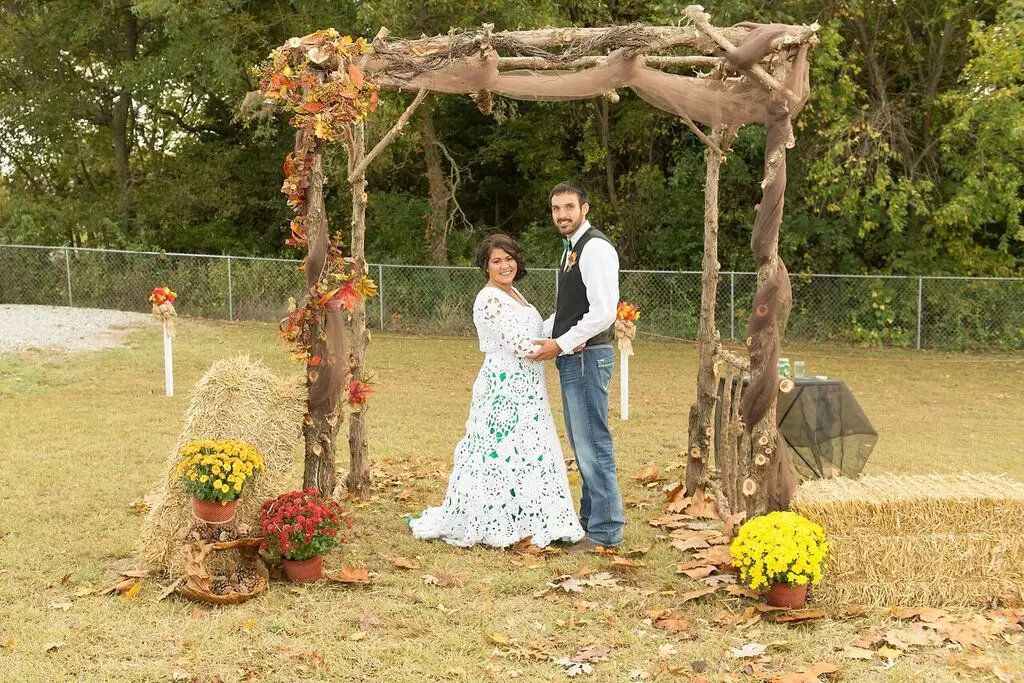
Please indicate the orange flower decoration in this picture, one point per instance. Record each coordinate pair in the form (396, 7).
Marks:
(358, 393)
(161, 295)
(627, 312)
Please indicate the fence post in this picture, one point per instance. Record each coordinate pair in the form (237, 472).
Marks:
(732, 306)
(556, 285)
(380, 293)
(920, 287)
(67, 272)
(231, 297)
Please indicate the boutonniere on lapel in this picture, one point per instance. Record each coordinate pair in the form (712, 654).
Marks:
(570, 261)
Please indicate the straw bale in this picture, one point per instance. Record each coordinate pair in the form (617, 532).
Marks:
(237, 398)
(938, 540)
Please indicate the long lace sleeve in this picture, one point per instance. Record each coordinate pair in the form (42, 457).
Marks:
(497, 323)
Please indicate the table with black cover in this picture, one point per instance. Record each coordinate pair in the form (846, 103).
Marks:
(827, 431)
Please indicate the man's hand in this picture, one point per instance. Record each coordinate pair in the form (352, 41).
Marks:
(548, 349)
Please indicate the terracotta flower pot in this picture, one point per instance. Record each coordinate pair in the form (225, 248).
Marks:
(782, 595)
(301, 571)
(214, 512)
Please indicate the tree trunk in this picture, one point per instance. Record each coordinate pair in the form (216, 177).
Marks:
(437, 219)
(627, 238)
(320, 426)
(358, 480)
(702, 412)
(120, 120)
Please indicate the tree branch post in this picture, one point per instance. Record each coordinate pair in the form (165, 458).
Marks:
(358, 481)
(702, 411)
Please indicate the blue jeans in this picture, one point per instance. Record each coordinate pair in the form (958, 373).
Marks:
(584, 378)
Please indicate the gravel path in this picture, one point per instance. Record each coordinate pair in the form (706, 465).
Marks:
(71, 329)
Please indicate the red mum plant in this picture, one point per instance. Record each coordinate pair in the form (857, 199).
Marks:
(299, 525)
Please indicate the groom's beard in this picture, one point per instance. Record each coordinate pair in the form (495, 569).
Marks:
(569, 228)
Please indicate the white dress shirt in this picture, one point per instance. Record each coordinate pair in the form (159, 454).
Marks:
(599, 267)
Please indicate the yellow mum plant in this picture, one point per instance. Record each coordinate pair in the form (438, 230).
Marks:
(217, 470)
(780, 547)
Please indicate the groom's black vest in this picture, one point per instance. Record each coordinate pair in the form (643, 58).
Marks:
(571, 304)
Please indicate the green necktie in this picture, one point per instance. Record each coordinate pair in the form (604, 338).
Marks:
(566, 244)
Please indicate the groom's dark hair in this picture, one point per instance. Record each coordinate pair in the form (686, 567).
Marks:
(500, 241)
(570, 187)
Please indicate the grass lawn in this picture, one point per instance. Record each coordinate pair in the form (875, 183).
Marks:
(82, 436)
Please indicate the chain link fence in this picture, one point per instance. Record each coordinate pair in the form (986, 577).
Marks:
(898, 311)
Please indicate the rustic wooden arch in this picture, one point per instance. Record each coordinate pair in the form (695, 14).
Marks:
(728, 77)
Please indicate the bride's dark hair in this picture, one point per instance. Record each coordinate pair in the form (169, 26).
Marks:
(505, 243)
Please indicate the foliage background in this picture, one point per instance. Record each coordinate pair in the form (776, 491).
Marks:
(120, 127)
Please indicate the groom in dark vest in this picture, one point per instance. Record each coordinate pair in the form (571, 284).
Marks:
(581, 332)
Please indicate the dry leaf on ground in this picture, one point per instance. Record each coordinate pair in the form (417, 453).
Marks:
(404, 563)
(349, 574)
(748, 650)
(675, 622)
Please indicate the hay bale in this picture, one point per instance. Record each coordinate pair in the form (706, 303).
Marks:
(935, 540)
(237, 398)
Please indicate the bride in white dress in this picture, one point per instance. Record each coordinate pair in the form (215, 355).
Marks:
(509, 480)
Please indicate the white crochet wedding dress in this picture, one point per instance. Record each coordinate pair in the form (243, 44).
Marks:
(509, 479)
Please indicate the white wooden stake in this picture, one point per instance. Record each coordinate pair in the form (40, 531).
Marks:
(624, 386)
(168, 364)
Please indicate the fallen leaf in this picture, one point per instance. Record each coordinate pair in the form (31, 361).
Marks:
(733, 522)
(8, 644)
(637, 552)
(695, 542)
(349, 574)
(673, 621)
(648, 475)
(695, 594)
(850, 612)
(591, 654)
(719, 579)
(699, 572)
(443, 580)
(64, 606)
(132, 592)
(702, 504)
(498, 639)
(888, 652)
(170, 589)
(64, 579)
(742, 592)
(136, 573)
(525, 546)
(851, 652)
(926, 614)
(667, 521)
(357, 635)
(403, 563)
(717, 555)
(748, 650)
